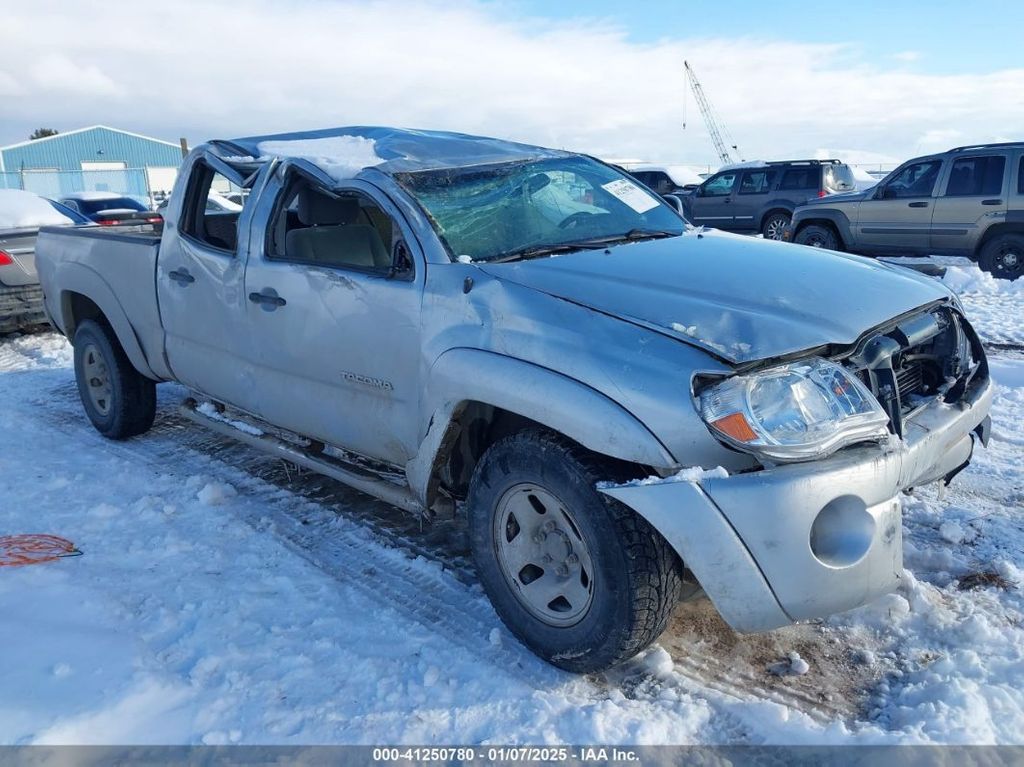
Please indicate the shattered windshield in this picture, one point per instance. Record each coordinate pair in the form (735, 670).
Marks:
(533, 208)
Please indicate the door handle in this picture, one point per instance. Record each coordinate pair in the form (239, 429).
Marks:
(182, 277)
(268, 299)
(917, 205)
(991, 202)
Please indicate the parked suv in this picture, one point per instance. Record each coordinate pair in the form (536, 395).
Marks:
(762, 197)
(968, 201)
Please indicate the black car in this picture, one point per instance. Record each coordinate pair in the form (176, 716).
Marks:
(761, 197)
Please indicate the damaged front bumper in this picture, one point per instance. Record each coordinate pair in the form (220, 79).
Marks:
(807, 540)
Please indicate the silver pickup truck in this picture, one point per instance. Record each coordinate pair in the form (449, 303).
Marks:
(625, 409)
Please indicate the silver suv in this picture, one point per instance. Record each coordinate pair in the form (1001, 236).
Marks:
(968, 201)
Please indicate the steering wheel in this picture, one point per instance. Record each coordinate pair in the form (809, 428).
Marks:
(574, 219)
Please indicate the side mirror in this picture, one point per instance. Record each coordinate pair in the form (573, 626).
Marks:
(886, 193)
(675, 202)
(401, 263)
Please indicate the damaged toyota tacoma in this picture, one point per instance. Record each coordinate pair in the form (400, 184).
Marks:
(626, 410)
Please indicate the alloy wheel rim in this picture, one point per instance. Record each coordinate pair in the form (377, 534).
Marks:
(543, 556)
(97, 379)
(775, 228)
(1009, 260)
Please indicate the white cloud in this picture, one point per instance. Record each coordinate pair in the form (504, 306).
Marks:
(907, 56)
(206, 69)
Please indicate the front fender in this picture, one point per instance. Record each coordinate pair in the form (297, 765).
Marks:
(835, 216)
(74, 277)
(542, 395)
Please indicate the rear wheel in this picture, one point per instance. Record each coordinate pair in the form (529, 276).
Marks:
(775, 225)
(1003, 256)
(818, 236)
(582, 580)
(120, 401)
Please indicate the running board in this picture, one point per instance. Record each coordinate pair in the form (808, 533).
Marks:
(353, 476)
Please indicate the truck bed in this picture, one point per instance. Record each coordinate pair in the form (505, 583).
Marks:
(110, 265)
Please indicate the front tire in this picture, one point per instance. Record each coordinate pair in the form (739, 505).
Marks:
(1003, 256)
(818, 236)
(604, 582)
(120, 401)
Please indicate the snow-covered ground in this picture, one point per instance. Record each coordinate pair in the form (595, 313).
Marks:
(214, 604)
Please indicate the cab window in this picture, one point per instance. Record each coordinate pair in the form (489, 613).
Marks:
(345, 230)
(915, 180)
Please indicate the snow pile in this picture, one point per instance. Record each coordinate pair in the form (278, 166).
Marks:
(994, 306)
(341, 157)
(19, 209)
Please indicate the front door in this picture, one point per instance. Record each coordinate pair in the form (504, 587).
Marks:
(973, 197)
(333, 314)
(711, 204)
(199, 286)
(897, 217)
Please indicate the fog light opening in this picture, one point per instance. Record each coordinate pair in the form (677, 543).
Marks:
(842, 532)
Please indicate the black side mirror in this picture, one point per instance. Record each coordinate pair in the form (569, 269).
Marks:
(401, 263)
(886, 193)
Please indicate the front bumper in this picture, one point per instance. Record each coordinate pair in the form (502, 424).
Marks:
(807, 540)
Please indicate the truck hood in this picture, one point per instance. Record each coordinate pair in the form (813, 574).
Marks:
(839, 197)
(739, 298)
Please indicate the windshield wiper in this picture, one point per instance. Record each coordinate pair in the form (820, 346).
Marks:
(592, 243)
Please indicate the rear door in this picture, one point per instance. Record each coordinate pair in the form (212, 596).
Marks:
(974, 194)
(751, 197)
(201, 292)
(897, 217)
(711, 203)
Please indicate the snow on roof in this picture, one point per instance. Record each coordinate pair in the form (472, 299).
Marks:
(340, 157)
(394, 150)
(23, 210)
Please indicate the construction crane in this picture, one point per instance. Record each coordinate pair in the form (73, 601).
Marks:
(715, 127)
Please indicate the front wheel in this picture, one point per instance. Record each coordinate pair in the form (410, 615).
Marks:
(1003, 256)
(120, 401)
(817, 236)
(775, 226)
(582, 580)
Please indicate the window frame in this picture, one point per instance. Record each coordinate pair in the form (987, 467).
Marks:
(193, 204)
(732, 189)
(769, 181)
(883, 185)
(975, 157)
(292, 175)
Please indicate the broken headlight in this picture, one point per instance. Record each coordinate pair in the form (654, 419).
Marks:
(796, 412)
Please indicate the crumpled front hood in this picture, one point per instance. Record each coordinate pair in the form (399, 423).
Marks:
(742, 299)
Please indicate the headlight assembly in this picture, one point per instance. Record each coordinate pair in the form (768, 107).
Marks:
(796, 412)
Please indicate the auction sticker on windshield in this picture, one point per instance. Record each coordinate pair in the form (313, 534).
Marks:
(631, 194)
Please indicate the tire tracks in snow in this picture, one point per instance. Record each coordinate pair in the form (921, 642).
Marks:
(382, 551)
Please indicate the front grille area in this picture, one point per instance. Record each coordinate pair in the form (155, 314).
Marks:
(926, 356)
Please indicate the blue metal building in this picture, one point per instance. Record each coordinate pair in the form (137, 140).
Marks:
(97, 158)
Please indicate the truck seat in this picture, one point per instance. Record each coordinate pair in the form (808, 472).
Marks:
(331, 235)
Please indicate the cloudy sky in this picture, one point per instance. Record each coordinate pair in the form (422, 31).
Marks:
(872, 81)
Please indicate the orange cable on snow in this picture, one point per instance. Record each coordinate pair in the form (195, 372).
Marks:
(33, 549)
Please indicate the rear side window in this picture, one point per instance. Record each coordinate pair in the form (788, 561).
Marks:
(210, 224)
(1020, 176)
(976, 176)
(757, 181)
(801, 178)
(656, 180)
